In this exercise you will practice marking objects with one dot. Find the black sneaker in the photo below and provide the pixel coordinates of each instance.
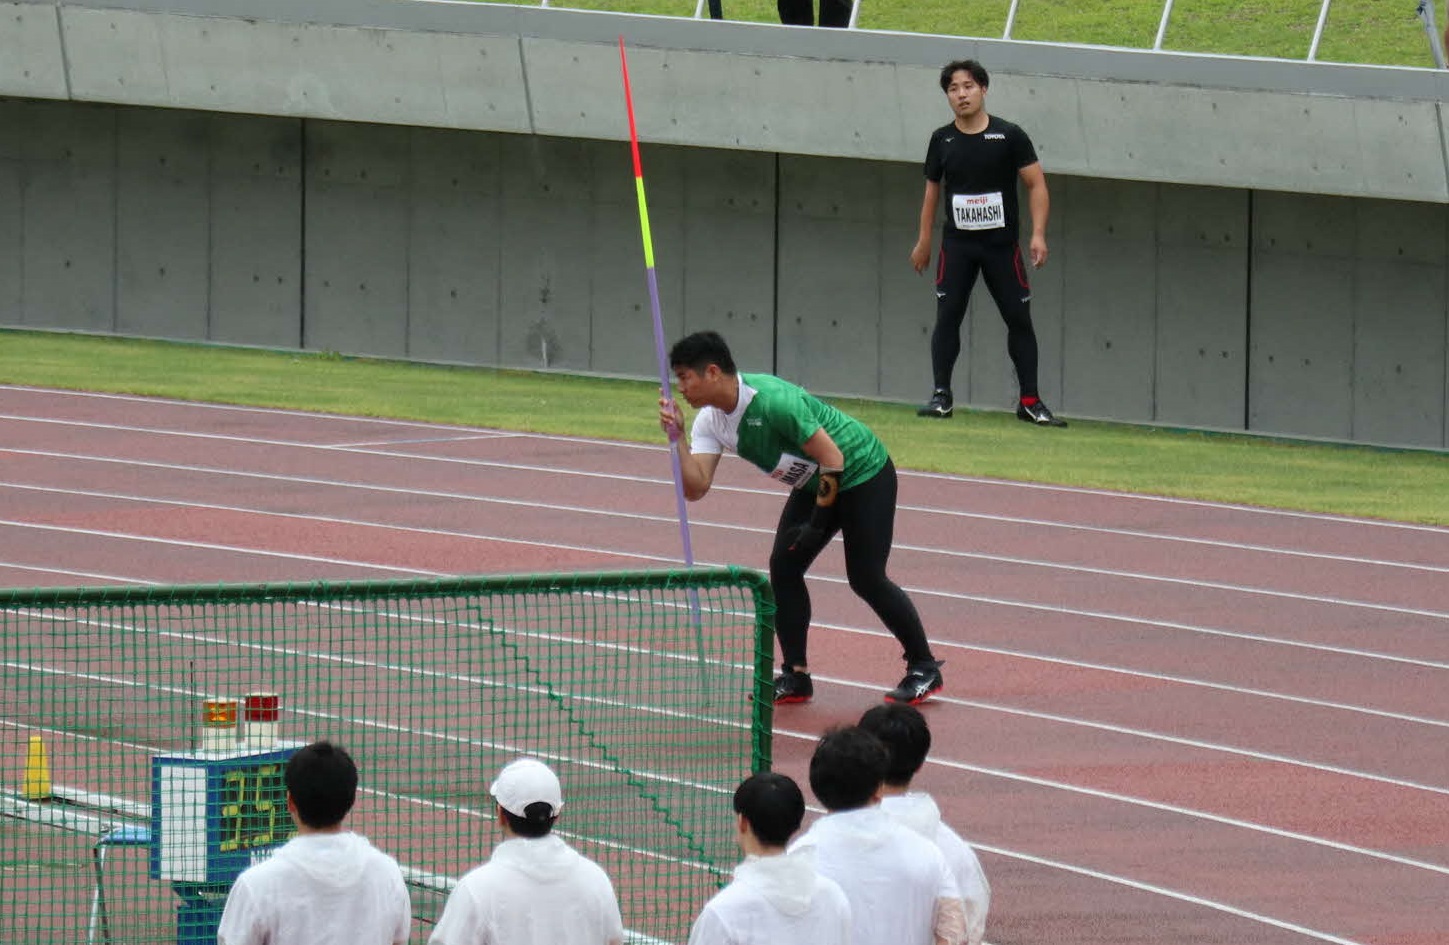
(940, 405)
(922, 680)
(792, 687)
(1037, 413)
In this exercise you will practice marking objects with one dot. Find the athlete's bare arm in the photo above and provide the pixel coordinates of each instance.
(821, 448)
(921, 252)
(1040, 204)
(696, 470)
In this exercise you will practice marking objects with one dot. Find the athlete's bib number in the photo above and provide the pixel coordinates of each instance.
(978, 211)
(793, 471)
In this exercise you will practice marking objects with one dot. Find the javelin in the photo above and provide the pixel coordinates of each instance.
(664, 375)
(654, 306)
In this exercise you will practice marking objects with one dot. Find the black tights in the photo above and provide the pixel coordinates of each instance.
(867, 520)
(1005, 274)
(802, 12)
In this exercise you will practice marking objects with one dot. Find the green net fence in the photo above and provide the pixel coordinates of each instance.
(647, 692)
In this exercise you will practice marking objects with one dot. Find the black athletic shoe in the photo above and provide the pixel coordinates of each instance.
(792, 687)
(940, 405)
(921, 682)
(1037, 413)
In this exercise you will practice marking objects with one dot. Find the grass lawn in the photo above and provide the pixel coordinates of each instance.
(1402, 485)
(1381, 32)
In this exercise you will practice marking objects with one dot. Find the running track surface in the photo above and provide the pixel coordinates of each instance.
(1164, 721)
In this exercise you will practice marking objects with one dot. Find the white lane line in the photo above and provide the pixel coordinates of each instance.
(1192, 503)
(1183, 582)
(1112, 495)
(642, 517)
(1192, 628)
(1147, 735)
(1150, 888)
(215, 546)
(1173, 809)
(1178, 680)
(1157, 890)
(1102, 726)
(453, 740)
(89, 575)
(1033, 562)
(1176, 539)
(931, 592)
(1143, 674)
(462, 433)
(557, 470)
(660, 448)
(461, 438)
(999, 773)
(202, 405)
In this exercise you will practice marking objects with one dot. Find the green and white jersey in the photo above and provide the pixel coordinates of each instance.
(769, 427)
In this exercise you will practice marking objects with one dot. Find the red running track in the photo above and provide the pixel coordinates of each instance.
(1165, 721)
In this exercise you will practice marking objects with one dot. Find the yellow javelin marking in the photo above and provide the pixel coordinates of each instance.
(644, 223)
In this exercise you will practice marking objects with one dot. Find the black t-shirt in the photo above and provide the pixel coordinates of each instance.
(978, 175)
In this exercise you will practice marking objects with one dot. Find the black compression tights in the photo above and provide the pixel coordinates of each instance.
(867, 521)
(1004, 272)
(802, 13)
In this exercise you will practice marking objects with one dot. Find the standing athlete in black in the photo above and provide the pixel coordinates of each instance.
(975, 162)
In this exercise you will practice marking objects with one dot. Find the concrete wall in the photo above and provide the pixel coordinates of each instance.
(451, 182)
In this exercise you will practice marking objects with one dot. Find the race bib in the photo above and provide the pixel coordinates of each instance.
(793, 471)
(978, 211)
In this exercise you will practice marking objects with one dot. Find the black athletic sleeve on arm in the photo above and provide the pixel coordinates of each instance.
(1023, 152)
(935, 164)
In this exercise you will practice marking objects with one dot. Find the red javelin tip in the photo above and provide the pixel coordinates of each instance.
(629, 105)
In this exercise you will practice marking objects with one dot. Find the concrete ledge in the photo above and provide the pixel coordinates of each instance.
(1128, 115)
(297, 70)
(1258, 140)
(757, 39)
(32, 62)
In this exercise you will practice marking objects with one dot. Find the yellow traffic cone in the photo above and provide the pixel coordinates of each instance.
(37, 772)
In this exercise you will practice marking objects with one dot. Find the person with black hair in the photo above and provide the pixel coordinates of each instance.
(973, 166)
(327, 885)
(535, 889)
(907, 739)
(776, 896)
(842, 480)
(899, 886)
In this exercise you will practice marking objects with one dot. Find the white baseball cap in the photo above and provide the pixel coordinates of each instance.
(527, 781)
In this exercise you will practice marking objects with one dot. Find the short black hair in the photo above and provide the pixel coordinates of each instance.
(701, 349)
(772, 805)
(902, 729)
(847, 768)
(976, 69)
(537, 822)
(322, 781)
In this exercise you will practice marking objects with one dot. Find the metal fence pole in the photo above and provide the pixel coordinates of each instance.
(1010, 20)
(1431, 29)
(1318, 30)
(1162, 26)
